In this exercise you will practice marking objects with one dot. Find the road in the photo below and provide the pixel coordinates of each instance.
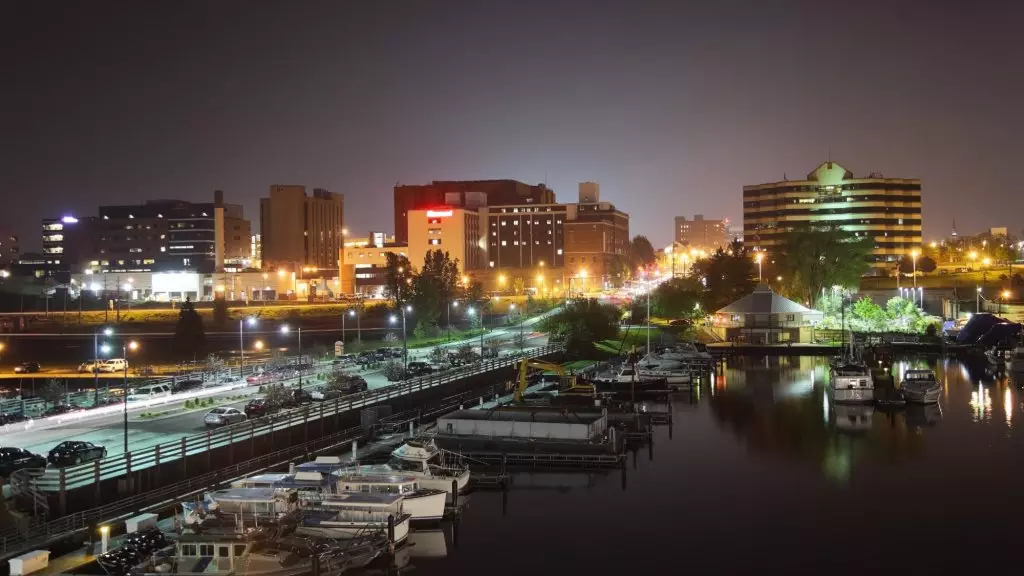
(105, 426)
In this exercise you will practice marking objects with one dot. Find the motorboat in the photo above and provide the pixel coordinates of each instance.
(686, 352)
(851, 382)
(355, 514)
(423, 504)
(253, 504)
(310, 486)
(1017, 359)
(920, 387)
(658, 362)
(432, 468)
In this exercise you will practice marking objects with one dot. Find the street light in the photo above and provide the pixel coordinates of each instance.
(251, 321)
(472, 312)
(405, 342)
(977, 300)
(913, 257)
(285, 330)
(125, 347)
(257, 345)
(96, 359)
(758, 258)
(451, 303)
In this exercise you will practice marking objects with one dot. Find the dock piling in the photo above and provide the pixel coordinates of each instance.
(355, 449)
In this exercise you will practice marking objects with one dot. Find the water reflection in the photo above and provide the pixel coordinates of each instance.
(780, 406)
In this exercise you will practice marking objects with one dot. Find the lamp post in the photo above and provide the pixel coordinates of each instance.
(95, 362)
(1003, 298)
(125, 347)
(454, 303)
(284, 330)
(977, 300)
(472, 311)
(913, 258)
(758, 258)
(405, 342)
(251, 320)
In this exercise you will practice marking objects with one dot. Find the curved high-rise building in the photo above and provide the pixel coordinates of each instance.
(886, 209)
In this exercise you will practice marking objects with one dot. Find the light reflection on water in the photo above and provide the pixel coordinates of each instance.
(760, 458)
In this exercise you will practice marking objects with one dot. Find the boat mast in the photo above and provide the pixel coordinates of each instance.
(648, 320)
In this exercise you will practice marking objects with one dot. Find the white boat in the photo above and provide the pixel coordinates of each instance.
(423, 504)
(920, 387)
(253, 504)
(658, 362)
(1017, 359)
(675, 378)
(353, 515)
(686, 352)
(433, 468)
(310, 486)
(851, 382)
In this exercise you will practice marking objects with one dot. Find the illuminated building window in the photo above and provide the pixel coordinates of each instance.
(504, 243)
(559, 251)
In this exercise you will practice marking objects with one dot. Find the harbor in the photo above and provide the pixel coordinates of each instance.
(775, 418)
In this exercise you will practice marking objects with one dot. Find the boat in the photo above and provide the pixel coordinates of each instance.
(253, 504)
(419, 458)
(353, 515)
(851, 382)
(1017, 359)
(997, 356)
(423, 504)
(920, 387)
(310, 486)
(675, 378)
(686, 352)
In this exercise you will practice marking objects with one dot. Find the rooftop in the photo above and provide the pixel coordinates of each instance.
(763, 301)
(514, 415)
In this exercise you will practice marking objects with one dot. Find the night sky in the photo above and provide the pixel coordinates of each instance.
(671, 106)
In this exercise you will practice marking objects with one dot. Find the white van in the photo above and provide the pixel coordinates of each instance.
(114, 365)
(150, 392)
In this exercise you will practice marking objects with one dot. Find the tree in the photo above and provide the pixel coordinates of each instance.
(52, 392)
(582, 323)
(871, 316)
(276, 394)
(394, 371)
(518, 285)
(618, 270)
(640, 253)
(220, 311)
(438, 355)
(676, 298)
(399, 278)
(728, 275)
(926, 265)
(816, 258)
(189, 336)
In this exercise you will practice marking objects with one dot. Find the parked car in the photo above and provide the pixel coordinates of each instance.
(27, 367)
(680, 323)
(149, 392)
(260, 379)
(11, 418)
(114, 365)
(260, 407)
(90, 366)
(73, 452)
(186, 386)
(321, 395)
(108, 401)
(12, 459)
(61, 409)
(418, 368)
(223, 416)
(297, 397)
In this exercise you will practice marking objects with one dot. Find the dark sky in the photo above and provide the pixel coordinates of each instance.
(671, 106)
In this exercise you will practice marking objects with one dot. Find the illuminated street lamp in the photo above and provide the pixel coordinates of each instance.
(251, 321)
(285, 330)
(758, 258)
(107, 331)
(913, 256)
(125, 347)
(977, 300)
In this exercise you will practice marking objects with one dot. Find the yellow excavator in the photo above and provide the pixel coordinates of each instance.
(573, 387)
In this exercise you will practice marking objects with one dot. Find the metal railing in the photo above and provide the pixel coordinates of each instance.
(88, 474)
(55, 480)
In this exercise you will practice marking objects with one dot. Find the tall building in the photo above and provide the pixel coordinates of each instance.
(888, 210)
(364, 264)
(466, 194)
(9, 250)
(594, 238)
(156, 236)
(299, 230)
(701, 233)
(458, 231)
(527, 236)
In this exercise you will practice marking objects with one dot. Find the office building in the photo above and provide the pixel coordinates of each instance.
(468, 194)
(594, 238)
(457, 231)
(9, 250)
(888, 210)
(364, 264)
(527, 236)
(701, 233)
(300, 230)
(156, 236)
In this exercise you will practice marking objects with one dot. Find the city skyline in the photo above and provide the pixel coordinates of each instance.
(659, 104)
